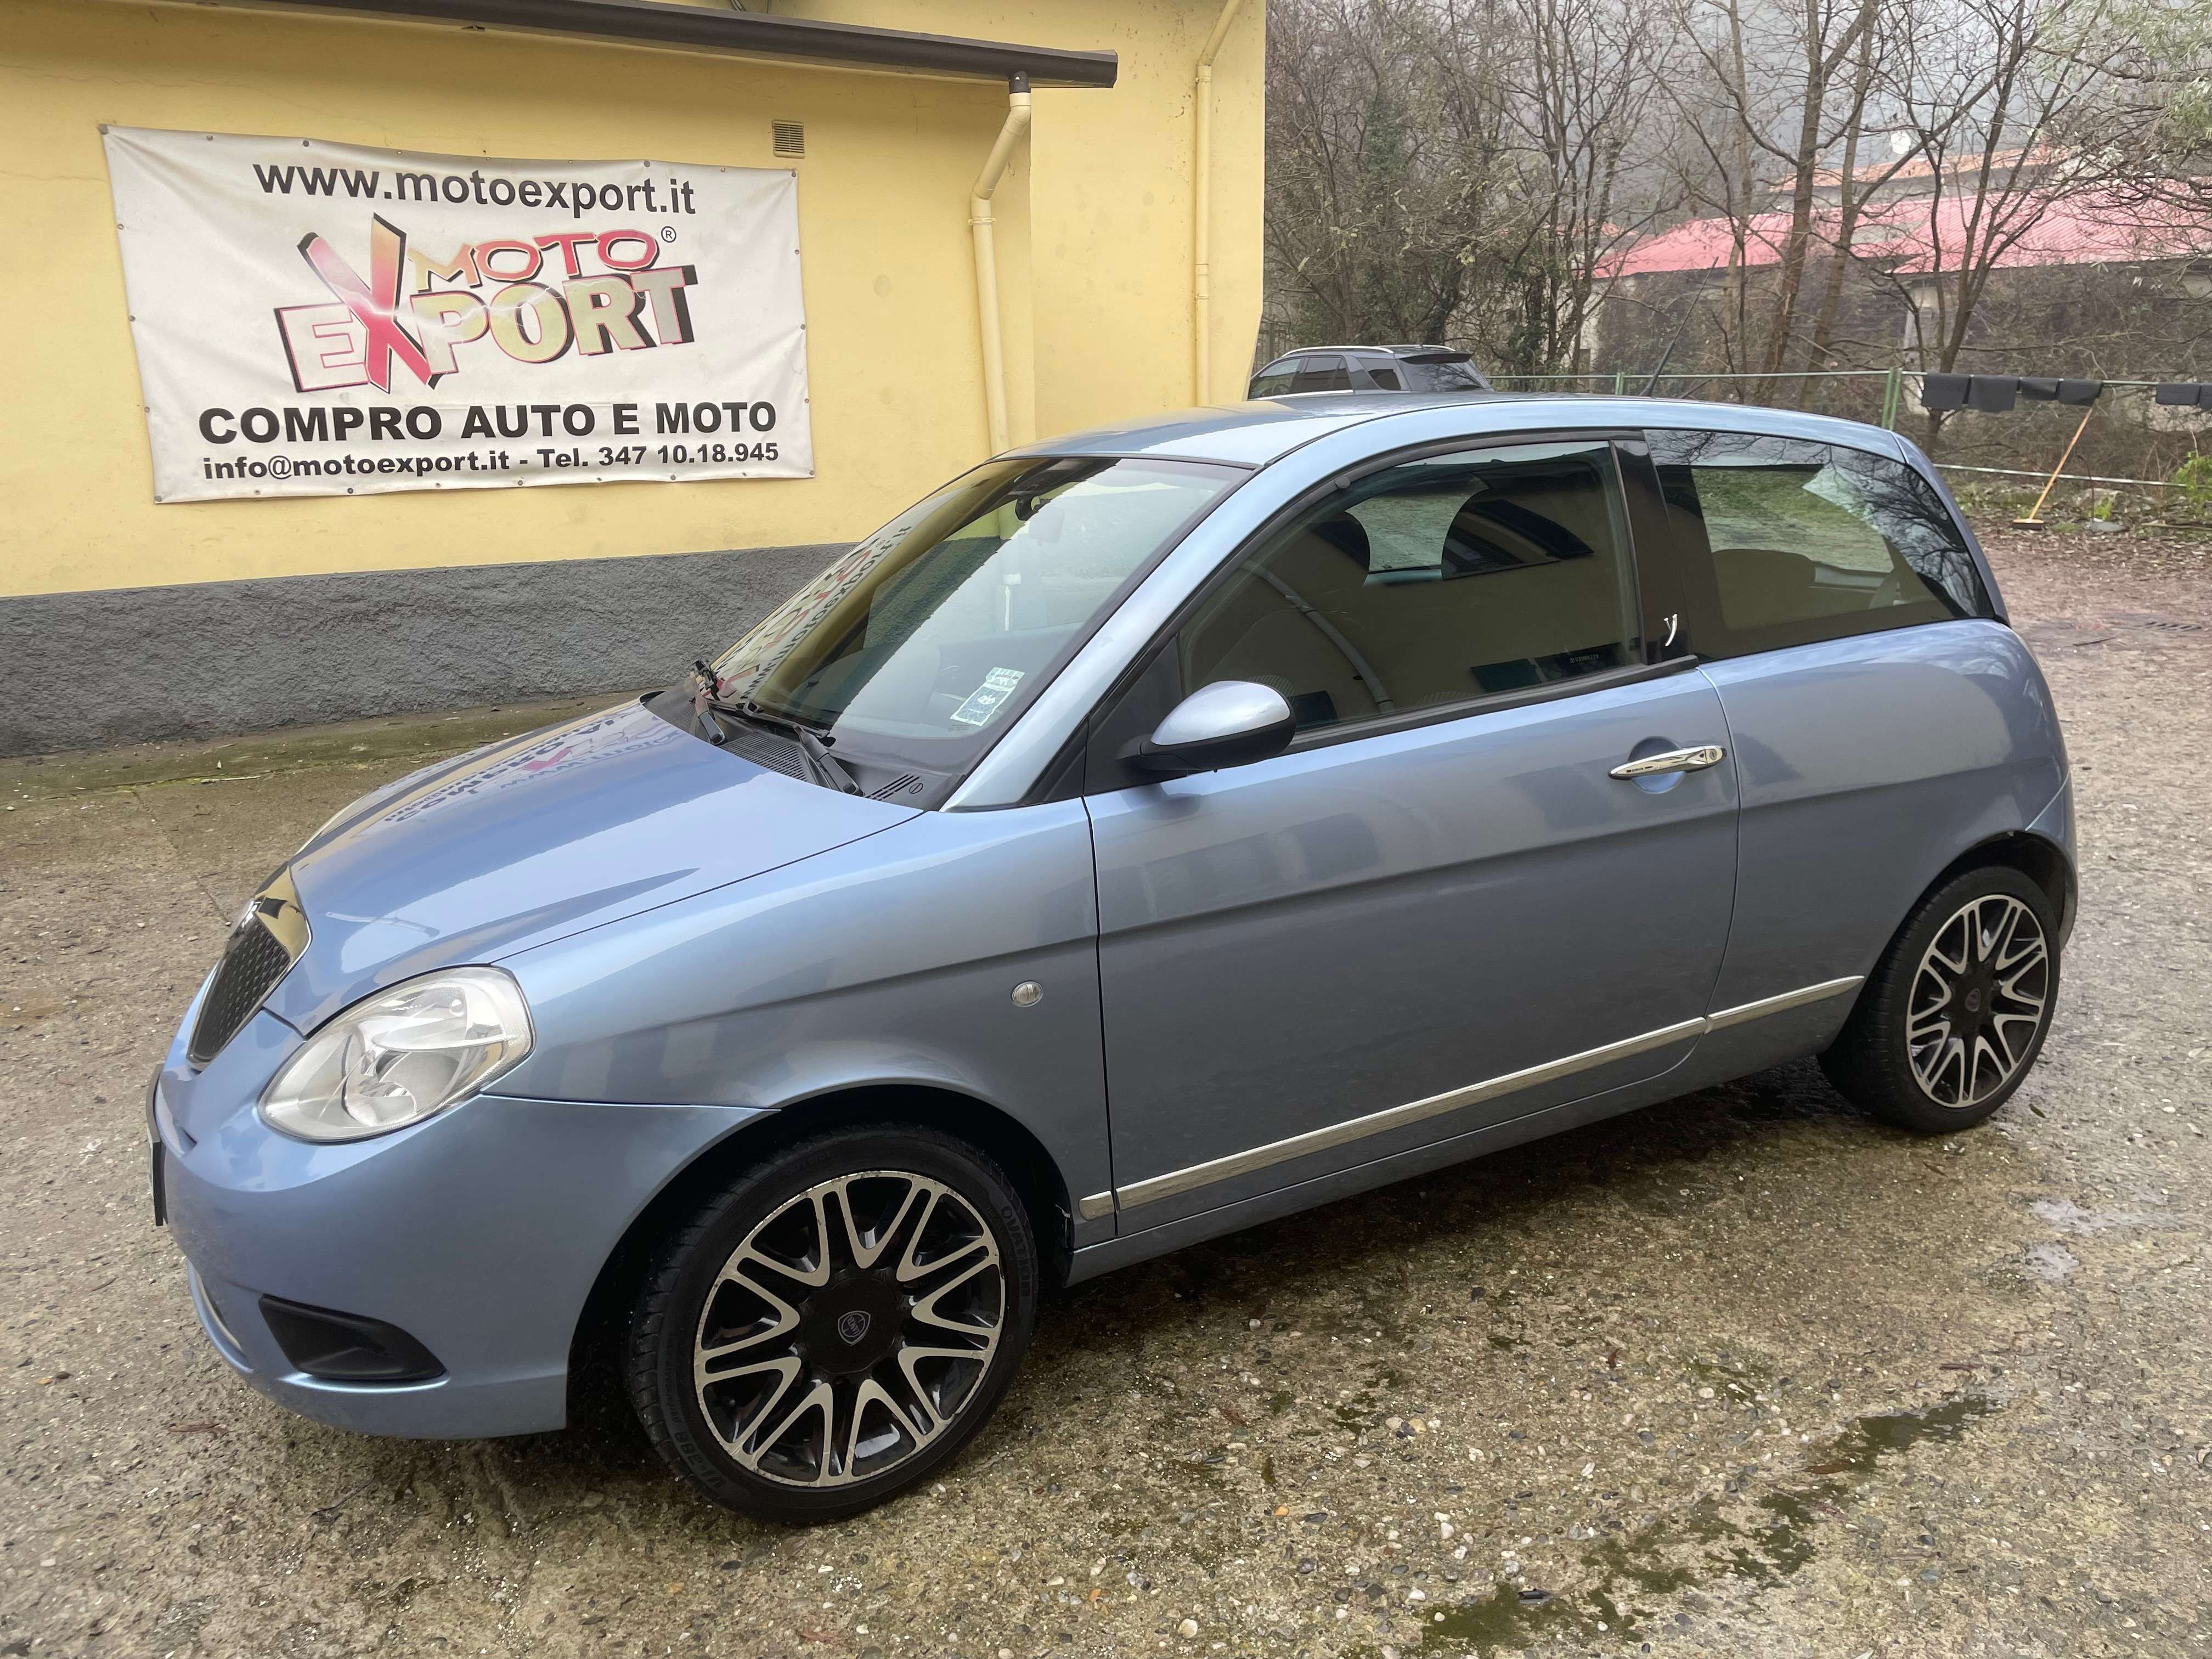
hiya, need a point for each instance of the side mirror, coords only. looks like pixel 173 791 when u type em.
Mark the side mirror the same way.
pixel 1229 723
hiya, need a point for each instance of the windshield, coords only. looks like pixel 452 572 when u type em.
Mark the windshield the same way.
pixel 915 649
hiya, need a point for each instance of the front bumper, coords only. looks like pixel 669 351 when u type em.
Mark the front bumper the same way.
pixel 479 1233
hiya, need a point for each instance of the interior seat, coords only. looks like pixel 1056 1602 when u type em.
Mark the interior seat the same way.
pixel 1761 586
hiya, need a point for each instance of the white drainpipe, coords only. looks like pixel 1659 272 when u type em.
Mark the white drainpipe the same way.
pixel 1201 290
pixel 987 257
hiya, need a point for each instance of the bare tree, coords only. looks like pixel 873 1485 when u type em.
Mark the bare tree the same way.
pixel 1468 170
pixel 1852 194
pixel 1886 74
pixel 2157 102
pixel 1382 183
pixel 2022 77
pixel 1454 170
pixel 1715 154
pixel 1765 105
pixel 1583 89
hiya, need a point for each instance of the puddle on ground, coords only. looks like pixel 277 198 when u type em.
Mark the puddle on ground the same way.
pixel 2064 1216
pixel 1627 1573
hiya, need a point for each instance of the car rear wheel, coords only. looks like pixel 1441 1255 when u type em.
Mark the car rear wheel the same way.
pixel 836 1323
pixel 1957 1009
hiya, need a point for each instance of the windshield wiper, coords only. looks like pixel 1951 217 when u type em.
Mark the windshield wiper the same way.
pixel 828 768
pixel 825 767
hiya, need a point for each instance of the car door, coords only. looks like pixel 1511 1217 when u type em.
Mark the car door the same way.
pixel 1443 908
pixel 1883 722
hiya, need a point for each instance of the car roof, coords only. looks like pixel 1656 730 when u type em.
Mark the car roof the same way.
pixel 1257 433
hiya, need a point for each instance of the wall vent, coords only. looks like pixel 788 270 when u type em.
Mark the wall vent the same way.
pixel 790 138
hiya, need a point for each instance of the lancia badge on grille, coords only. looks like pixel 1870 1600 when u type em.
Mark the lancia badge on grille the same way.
pixel 260 906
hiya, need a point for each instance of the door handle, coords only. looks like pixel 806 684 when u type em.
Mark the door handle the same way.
pixel 1672 760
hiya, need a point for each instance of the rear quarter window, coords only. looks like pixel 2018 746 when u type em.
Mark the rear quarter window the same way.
pixel 1784 541
pixel 1449 377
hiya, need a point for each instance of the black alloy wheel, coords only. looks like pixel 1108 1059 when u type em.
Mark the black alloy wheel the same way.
pixel 834 1324
pixel 1957 1010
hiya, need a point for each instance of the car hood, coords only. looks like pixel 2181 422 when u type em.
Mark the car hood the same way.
pixel 520 844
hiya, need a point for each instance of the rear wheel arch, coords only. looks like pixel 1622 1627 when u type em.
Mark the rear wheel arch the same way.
pixel 1931 1015
pixel 2039 860
pixel 595 1347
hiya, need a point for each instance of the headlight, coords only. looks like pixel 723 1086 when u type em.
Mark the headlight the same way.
pixel 401 1055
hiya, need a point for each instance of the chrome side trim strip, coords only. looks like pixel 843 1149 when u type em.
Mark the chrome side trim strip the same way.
pixel 1798 998
pixel 1394 1117
pixel 1357 1128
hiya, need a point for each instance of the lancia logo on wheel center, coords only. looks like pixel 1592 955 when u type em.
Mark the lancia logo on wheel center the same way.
pixel 852 1327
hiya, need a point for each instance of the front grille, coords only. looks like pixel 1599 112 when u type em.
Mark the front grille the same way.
pixel 269 936
pixel 251 964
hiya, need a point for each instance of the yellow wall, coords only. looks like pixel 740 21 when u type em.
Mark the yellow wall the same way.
pixel 1099 329
pixel 1111 210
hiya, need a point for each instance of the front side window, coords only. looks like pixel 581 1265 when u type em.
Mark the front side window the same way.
pixel 1432 583
pixel 1274 380
pixel 916 649
pixel 1789 541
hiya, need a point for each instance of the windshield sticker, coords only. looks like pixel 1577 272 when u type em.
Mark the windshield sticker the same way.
pixel 984 701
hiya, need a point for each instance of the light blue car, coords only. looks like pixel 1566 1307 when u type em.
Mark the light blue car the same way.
pixel 1153 832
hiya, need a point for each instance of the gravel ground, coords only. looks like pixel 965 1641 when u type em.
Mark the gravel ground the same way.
pixel 1739 1375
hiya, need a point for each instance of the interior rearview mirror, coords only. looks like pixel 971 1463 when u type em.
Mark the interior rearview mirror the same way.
pixel 1229 723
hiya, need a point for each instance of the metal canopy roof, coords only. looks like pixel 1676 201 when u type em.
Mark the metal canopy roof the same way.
pixel 742 33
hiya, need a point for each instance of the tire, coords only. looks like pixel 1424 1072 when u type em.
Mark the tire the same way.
pixel 1955 1012
pixel 834 1378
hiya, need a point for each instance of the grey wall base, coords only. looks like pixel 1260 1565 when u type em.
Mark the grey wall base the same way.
pixel 80 671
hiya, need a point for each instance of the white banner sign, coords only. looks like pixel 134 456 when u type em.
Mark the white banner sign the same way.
pixel 320 320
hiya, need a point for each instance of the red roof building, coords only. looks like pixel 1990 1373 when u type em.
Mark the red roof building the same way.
pixel 1924 235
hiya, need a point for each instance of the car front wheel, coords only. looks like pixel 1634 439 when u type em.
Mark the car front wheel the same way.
pixel 836 1323
pixel 1957 1009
